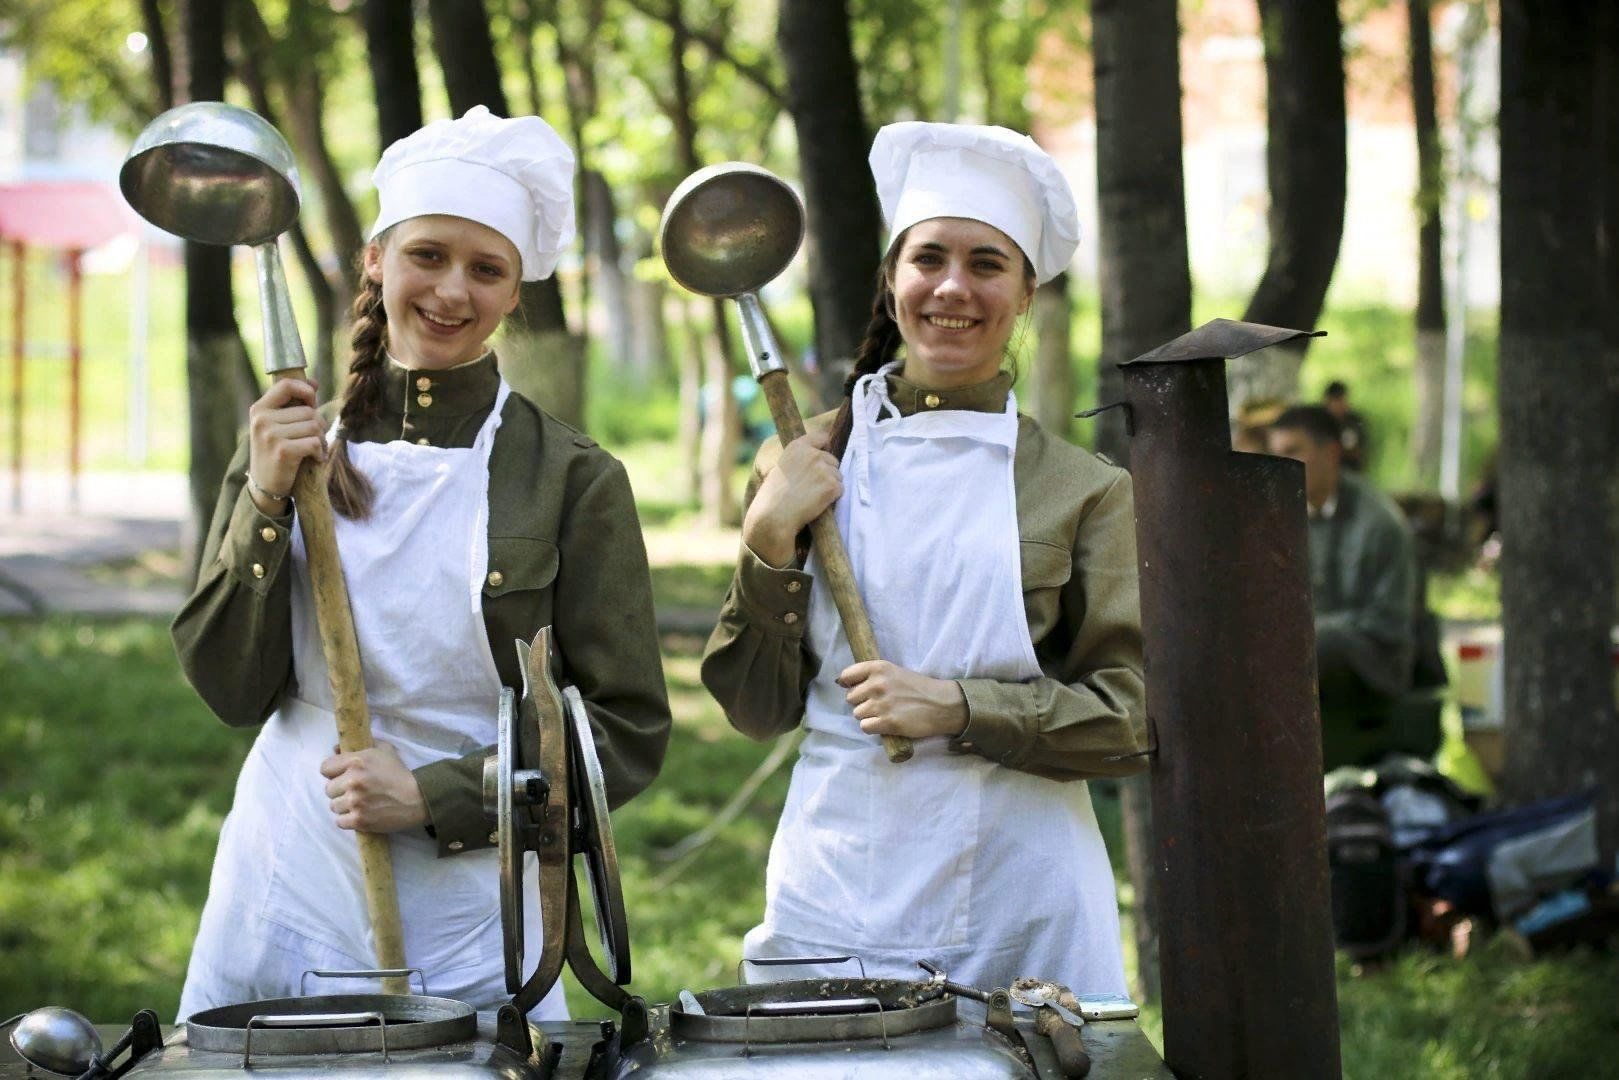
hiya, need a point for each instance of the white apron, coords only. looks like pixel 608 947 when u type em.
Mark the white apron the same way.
pixel 991 872
pixel 286 893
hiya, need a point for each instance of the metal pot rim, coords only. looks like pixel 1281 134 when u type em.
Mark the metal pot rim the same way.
pixel 414 1022
pixel 907 1007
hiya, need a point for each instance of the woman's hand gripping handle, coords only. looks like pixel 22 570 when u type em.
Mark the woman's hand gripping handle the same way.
pixel 778 513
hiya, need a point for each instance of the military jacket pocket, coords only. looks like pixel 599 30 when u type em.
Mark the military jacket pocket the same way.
pixel 1045 566
pixel 519 563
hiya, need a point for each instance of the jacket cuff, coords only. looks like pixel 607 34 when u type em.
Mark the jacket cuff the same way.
pixel 254 547
pixel 773 600
pixel 996 728
pixel 453 792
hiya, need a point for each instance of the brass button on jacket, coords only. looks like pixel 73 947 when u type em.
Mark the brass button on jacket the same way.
pixel 424 383
pixel 269 534
pixel 424 400
pixel 794 586
pixel 496 579
pixel 424 442
pixel 790 618
pixel 932 401
pixel 455 845
pixel 258 570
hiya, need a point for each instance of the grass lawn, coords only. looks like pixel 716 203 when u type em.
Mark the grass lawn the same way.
pixel 115 780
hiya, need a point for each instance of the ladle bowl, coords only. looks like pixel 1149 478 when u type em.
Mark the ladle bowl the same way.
pixel 729 229
pixel 57 1040
pixel 214 173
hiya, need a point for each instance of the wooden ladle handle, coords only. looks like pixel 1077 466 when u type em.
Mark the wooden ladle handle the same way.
pixel 829 548
pixel 342 651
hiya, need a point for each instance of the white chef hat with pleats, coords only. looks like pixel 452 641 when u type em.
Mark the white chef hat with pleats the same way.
pixel 514 175
pixel 984 173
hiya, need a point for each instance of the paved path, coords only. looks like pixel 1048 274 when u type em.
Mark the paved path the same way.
pixel 116 551
pixel 119 549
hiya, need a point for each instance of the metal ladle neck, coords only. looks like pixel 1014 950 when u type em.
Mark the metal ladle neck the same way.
pixel 764 355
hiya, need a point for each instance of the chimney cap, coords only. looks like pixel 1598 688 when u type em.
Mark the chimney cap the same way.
pixel 1221 339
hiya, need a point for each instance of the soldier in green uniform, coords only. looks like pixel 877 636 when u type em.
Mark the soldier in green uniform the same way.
pixel 467 518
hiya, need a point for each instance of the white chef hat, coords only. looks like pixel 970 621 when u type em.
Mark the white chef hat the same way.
pixel 515 176
pixel 988 174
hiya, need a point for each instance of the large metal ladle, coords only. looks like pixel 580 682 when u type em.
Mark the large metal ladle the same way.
pixel 219 174
pixel 727 231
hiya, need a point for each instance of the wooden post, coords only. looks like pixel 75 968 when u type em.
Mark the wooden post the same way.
pixel 19 294
pixel 75 364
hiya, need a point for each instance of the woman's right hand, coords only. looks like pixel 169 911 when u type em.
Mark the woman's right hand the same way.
pixel 804 482
pixel 283 431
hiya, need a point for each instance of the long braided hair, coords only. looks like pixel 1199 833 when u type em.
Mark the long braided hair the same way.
pixel 878 347
pixel 351 493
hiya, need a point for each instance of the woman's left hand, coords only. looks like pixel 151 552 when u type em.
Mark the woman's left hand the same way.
pixel 890 700
pixel 372 791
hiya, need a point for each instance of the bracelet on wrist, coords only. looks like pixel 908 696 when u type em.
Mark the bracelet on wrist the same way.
pixel 254 488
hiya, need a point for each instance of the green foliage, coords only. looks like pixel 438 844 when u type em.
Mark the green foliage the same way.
pixel 899 46
pixel 79 45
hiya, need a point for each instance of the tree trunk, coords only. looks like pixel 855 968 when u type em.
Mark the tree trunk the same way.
pixel 593 199
pixel 1305 163
pixel 538 355
pixel 323 291
pixel 321 365
pixel 157 38
pixel 691 404
pixel 1052 380
pixel 845 222
pixel 601 241
pixel 305 98
pixel 721 425
pixel 1607 157
pixel 1427 436
pixel 1146 285
pixel 1557 562
pixel 390 48
pixel 523 22
pixel 215 356
pixel 649 349
pixel 1146 294
pixel 722 429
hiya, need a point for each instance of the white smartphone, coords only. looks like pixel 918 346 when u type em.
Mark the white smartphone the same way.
pixel 1108 1007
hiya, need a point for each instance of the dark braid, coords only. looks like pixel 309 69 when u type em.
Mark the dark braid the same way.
pixel 351 492
pixel 877 348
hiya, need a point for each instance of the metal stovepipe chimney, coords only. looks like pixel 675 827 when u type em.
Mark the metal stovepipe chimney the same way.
pixel 1245 927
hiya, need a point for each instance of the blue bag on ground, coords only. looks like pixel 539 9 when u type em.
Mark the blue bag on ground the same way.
pixel 1499 863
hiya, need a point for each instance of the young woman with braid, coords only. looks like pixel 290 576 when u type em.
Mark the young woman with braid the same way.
pixel 466 519
pixel 998 566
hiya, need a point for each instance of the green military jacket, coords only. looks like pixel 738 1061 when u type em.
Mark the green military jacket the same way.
pixel 565 550
pixel 1363 583
pixel 1076 531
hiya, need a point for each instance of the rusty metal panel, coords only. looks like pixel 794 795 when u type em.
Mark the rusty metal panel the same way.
pixel 1244 905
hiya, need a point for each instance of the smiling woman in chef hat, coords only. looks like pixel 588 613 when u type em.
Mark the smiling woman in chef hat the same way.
pixel 998 565
pixel 467 518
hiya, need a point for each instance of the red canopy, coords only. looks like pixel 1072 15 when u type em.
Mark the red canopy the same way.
pixel 71 214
